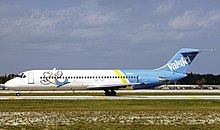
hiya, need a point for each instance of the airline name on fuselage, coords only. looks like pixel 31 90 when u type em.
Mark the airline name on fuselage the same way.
pixel 177 64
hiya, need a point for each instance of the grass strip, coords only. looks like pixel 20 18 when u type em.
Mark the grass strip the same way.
pixel 109 105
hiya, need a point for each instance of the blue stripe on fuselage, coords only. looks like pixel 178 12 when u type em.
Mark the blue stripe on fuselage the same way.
pixel 150 76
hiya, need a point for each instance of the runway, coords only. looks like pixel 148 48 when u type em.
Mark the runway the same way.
pixel 109 97
pixel 121 91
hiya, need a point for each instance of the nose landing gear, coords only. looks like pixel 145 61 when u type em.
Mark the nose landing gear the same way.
pixel 18 94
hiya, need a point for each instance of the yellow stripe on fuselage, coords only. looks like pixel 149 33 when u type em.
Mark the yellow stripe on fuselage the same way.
pixel 119 73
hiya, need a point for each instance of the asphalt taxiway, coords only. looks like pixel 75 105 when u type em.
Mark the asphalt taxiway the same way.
pixel 109 97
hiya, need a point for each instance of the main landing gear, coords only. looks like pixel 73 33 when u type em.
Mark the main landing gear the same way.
pixel 110 93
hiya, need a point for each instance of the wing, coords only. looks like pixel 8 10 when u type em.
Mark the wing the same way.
pixel 106 86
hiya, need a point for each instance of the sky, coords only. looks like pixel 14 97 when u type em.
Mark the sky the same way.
pixel 107 34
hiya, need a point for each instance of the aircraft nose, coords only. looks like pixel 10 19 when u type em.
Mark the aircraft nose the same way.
pixel 9 84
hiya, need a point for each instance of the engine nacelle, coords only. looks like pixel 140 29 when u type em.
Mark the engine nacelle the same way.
pixel 152 80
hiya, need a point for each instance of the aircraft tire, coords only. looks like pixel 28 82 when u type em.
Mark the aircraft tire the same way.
pixel 110 93
pixel 113 93
pixel 107 93
pixel 18 94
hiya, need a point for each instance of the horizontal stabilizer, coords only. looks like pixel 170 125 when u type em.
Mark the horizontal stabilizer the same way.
pixel 196 50
pixel 207 50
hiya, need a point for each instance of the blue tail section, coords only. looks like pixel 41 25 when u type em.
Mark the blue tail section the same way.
pixel 181 61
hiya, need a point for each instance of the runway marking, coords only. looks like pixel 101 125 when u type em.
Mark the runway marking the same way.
pixel 193 98
pixel 11 98
pixel 103 97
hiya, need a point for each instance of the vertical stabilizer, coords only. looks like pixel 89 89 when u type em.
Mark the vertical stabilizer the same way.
pixel 181 61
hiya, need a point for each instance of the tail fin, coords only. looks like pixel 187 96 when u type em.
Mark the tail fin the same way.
pixel 181 61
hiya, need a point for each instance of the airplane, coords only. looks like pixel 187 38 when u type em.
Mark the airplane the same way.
pixel 107 80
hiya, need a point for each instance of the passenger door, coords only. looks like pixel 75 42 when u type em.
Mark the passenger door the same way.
pixel 31 78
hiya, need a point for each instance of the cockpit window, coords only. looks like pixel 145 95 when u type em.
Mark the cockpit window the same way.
pixel 22 75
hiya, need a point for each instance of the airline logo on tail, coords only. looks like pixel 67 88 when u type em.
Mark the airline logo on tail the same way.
pixel 178 63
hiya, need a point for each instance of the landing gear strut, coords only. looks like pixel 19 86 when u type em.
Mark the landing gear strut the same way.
pixel 110 93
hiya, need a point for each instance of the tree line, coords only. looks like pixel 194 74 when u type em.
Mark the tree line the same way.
pixel 200 79
pixel 192 79
pixel 5 78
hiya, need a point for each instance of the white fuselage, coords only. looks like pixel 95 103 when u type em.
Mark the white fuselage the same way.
pixel 69 79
